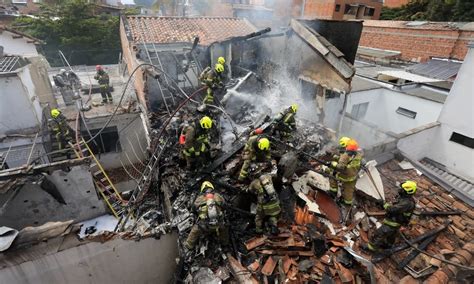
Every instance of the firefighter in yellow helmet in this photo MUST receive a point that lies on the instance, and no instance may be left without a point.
(61, 130)
(213, 79)
(335, 153)
(256, 150)
(285, 122)
(397, 214)
(195, 138)
(347, 170)
(209, 206)
(268, 204)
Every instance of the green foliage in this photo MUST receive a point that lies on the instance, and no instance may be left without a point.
(432, 10)
(72, 27)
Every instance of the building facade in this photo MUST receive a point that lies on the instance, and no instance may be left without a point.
(341, 9)
(395, 3)
(419, 41)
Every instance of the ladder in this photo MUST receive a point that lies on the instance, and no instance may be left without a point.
(103, 184)
(150, 59)
(142, 186)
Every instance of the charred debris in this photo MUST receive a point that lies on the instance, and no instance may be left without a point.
(315, 234)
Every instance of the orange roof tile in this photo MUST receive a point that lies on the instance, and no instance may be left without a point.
(179, 29)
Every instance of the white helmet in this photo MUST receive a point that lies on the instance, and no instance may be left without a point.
(62, 70)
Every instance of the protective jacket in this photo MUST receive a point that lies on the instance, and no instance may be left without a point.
(348, 166)
(196, 139)
(253, 154)
(400, 212)
(209, 207)
(103, 78)
(286, 122)
(211, 78)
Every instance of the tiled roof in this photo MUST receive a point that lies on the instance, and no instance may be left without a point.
(430, 197)
(179, 29)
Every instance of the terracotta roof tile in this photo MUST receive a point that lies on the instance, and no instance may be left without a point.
(178, 29)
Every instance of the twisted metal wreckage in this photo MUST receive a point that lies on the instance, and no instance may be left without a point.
(313, 243)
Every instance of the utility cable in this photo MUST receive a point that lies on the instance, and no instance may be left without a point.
(434, 256)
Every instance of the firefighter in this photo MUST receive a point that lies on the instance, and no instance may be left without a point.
(104, 81)
(256, 150)
(195, 139)
(209, 206)
(336, 154)
(397, 214)
(268, 204)
(285, 123)
(62, 131)
(347, 170)
(213, 79)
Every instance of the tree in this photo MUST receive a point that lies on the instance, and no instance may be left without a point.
(73, 27)
(432, 10)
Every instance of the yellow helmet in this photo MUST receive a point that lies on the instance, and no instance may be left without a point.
(206, 122)
(409, 187)
(294, 107)
(206, 184)
(343, 141)
(55, 112)
(221, 60)
(263, 144)
(219, 68)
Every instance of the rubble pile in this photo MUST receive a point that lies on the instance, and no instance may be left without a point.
(318, 238)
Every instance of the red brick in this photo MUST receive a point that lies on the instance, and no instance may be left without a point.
(460, 206)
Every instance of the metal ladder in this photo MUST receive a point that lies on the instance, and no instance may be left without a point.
(150, 59)
(142, 187)
(103, 184)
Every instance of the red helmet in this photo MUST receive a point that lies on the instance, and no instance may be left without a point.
(98, 67)
(258, 131)
(352, 145)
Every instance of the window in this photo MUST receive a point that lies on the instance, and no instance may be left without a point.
(369, 12)
(359, 110)
(107, 141)
(338, 7)
(406, 112)
(351, 9)
(463, 140)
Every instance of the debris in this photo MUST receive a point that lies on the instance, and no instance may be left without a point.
(306, 264)
(269, 266)
(254, 266)
(240, 273)
(255, 242)
(286, 263)
(405, 165)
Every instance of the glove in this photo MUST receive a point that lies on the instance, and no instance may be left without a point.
(333, 164)
(386, 206)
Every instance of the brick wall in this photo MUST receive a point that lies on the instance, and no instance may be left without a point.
(326, 9)
(394, 3)
(418, 44)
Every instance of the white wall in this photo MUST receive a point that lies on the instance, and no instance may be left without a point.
(116, 261)
(457, 116)
(19, 109)
(383, 104)
(17, 46)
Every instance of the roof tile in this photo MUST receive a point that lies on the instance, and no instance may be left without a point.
(146, 29)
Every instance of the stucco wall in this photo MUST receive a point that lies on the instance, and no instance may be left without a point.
(131, 132)
(457, 116)
(383, 104)
(17, 46)
(117, 261)
(19, 110)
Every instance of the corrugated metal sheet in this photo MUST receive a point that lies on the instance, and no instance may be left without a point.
(437, 68)
(408, 76)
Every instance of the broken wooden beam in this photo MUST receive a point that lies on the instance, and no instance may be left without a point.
(29, 170)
